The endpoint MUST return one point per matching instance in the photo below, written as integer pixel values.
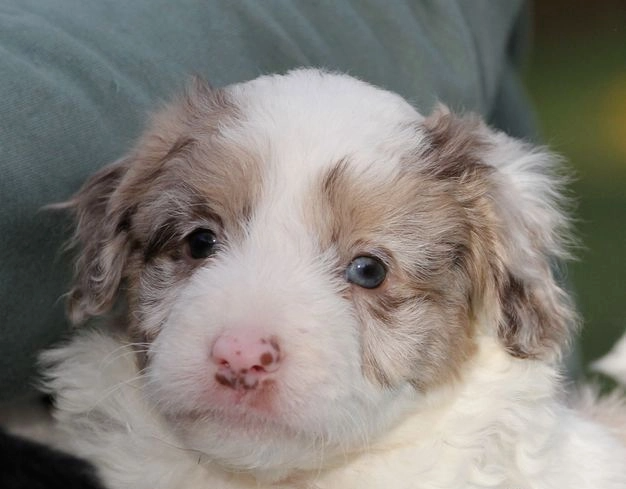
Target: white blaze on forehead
(305, 122)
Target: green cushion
(79, 76)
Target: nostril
(257, 369)
(266, 359)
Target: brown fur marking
(132, 217)
(415, 325)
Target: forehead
(303, 124)
(288, 143)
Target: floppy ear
(512, 194)
(104, 206)
(101, 236)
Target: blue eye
(202, 243)
(366, 271)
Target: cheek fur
(414, 338)
(154, 287)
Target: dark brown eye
(202, 243)
(366, 271)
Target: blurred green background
(577, 81)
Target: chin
(317, 286)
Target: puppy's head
(305, 257)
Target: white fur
(503, 428)
(501, 425)
(614, 363)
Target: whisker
(112, 390)
(112, 356)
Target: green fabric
(77, 78)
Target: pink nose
(243, 360)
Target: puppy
(321, 288)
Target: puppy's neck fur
(447, 441)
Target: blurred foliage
(577, 80)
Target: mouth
(233, 406)
(261, 398)
(236, 420)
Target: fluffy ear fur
(101, 236)
(512, 194)
(105, 205)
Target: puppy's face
(305, 257)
